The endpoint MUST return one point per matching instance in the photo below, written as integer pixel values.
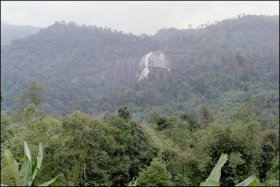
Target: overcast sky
(135, 17)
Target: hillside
(13, 32)
(91, 106)
(96, 70)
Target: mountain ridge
(94, 69)
(13, 32)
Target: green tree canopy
(124, 113)
(35, 93)
(155, 175)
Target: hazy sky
(136, 17)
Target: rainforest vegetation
(175, 149)
(73, 112)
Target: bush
(155, 175)
(162, 122)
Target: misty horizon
(203, 25)
(126, 16)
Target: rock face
(150, 60)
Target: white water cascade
(146, 70)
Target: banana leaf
(214, 177)
(251, 181)
(13, 166)
(25, 172)
(37, 165)
(49, 182)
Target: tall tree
(124, 113)
(155, 175)
(206, 115)
(35, 93)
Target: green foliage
(124, 113)
(231, 93)
(239, 141)
(31, 113)
(272, 176)
(194, 152)
(35, 93)
(251, 181)
(155, 175)
(6, 132)
(180, 180)
(28, 172)
(191, 119)
(270, 148)
(13, 166)
(207, 67)
(162, 122)
(28, 102)
(206, 117)
(114, 151)
(242, 113)
(214, 177)
(88, 151)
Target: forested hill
(13, 32)
(95, 69)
